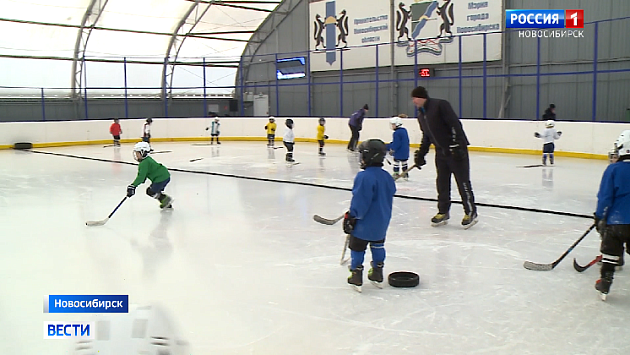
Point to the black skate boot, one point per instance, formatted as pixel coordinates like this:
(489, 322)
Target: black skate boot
(356, 278)
(165, 201)
(469, 220)
(603, 285)
(375, 275)
(440, 219)
(289, 158)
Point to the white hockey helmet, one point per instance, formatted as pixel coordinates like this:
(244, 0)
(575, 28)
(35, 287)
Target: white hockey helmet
(622, 144)
(550, 124)
(143, 148)
(395, 121)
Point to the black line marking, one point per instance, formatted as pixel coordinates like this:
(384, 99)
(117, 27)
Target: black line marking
(507, 207)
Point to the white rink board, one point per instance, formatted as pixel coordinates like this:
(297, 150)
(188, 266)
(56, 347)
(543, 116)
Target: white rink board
(579, 137)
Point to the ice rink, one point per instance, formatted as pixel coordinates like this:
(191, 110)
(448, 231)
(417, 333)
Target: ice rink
(243, 269)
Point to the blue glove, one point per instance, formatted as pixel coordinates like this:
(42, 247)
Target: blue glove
(131, 190)
(348, 223)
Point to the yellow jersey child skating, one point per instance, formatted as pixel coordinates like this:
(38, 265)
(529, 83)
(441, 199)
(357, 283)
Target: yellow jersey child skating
(271, 128)
(320, 132)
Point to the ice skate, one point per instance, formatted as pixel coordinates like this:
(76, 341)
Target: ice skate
(322, 154)
(356, 278)
(470, 220)
(165, 201)
(603, 285)
(440, 219)
(396, 175)
(405, 175)
(375, 275)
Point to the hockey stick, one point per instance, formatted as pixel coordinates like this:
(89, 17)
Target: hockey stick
(197, 159)
(162, 151)
(532, 166)
(343, 254)
(109, 145)
(102, 222)
(579, 268)
(404, 172)
(327, 221)
(280, 147)
(546, 267)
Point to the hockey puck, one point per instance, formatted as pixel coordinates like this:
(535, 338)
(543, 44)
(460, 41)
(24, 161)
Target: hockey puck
(23, 146)
(403, 279)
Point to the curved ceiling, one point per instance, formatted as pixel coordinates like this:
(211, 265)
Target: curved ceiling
(106, 32)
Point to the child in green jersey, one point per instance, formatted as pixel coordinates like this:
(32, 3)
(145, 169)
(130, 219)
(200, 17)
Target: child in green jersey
(152, 170)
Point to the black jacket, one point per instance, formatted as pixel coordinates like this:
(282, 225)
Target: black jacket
(440, 126)
(548, 115)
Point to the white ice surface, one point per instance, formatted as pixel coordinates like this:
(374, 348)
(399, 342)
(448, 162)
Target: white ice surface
(245, 270)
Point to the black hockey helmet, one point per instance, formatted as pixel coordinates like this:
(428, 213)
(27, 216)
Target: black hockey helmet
(149, 120)
(289, 123)
(372, 153)
(322, 121)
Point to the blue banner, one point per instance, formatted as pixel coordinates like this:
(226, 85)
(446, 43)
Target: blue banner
(534, 18)
(86, 304)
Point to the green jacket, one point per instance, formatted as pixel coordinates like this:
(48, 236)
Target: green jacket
(152, 170)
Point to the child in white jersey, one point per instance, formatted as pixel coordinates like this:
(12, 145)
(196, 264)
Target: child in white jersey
(289, 140)
(214, 130)
(549, 135)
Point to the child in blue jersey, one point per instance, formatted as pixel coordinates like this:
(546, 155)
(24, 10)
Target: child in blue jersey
(612, 217)
(400, 148)
(370, 212)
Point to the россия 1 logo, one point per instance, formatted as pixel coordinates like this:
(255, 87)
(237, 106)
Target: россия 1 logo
(544, 19)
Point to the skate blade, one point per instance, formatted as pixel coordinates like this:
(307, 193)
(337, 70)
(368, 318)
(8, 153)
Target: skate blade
(443, 223)
(377, 284)
(471, 224)
(357, 288)
(603, 296)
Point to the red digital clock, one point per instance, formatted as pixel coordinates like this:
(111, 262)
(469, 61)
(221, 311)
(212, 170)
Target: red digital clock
(426, 72)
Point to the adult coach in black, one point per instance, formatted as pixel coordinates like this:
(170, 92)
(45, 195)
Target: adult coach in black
(441, 127)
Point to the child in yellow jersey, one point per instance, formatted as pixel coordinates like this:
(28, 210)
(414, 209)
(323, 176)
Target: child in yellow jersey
(321, 129)
(271, 131)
